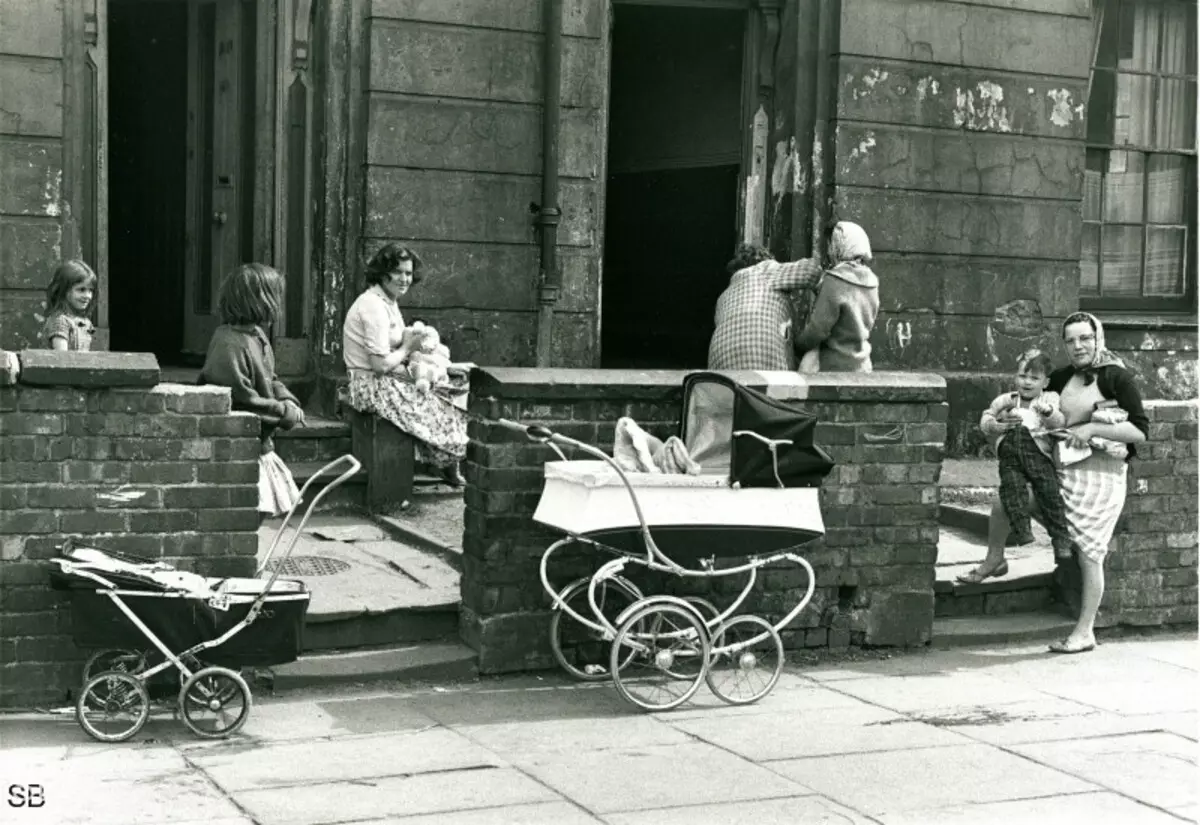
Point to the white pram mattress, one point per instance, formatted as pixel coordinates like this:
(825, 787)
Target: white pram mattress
(588, 497)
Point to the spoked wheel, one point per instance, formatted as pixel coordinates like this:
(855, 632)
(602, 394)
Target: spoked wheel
(215, 702)
(118, 659)
(580, 650)
(746, 660)
(113, 706)
(707, 609)
(660, 655)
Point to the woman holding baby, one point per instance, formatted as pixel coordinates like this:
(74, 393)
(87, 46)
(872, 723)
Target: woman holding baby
(381, 355)
(1091, 388)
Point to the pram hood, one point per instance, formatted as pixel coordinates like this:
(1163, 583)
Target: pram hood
(715, 407)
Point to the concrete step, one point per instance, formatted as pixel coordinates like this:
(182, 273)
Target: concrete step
(351, 495)
(428, 662)
(320, 439)
(368, 589)
(1027, 587)
(966, 631)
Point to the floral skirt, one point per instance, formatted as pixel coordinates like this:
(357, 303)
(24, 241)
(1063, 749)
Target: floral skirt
(439, 427)
(277, 490)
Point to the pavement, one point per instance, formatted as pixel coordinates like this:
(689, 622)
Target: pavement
(1007, 735)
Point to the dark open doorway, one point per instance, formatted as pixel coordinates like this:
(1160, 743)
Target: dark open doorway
(148, 95)
(674, 156)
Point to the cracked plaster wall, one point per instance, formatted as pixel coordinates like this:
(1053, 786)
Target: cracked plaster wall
(32, 202)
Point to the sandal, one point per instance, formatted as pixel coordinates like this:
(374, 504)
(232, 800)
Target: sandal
(1065, 646)
(978, 575)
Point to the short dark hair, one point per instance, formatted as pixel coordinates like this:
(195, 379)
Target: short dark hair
(384, 262)
(1035, 361)
(251, 294)
(747, 255)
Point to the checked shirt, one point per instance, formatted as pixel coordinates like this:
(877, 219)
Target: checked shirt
(754, 316)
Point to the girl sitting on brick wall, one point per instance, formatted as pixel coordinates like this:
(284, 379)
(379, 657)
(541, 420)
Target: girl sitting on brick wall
(69, 298)
(240, 357)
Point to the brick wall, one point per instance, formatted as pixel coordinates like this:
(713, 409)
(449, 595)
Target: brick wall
(1151, 569)
(194, 463)
(874, 567)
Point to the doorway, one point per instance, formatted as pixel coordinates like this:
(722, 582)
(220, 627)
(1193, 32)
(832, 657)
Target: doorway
(181, 144)
(674, 159)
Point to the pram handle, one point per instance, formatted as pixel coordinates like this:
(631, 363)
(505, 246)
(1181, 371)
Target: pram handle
(535, 432)
(355, 466)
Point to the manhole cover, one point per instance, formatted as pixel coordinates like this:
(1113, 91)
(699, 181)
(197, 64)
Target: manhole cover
(310, 566)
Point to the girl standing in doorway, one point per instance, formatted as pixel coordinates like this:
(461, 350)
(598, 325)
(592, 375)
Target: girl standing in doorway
(240, 357)
(69, 299)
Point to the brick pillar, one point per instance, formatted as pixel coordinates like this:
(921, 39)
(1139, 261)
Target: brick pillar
(77, 427)
(1151, 566)
(874, 567)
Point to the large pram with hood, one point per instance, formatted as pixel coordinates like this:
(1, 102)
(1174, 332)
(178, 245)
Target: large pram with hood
(755, 499)
(142, 618)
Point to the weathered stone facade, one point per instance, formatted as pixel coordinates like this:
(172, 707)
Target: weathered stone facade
(953, 131)
(77, 427)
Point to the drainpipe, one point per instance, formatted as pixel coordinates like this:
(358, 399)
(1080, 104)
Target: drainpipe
(823, 168)
(549, 214)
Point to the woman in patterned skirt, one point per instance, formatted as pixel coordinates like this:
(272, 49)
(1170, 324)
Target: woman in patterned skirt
(1093, 489)
(376, 352)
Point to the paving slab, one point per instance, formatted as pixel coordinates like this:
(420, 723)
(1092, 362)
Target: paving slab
(879, 783)
(394, 796)
(343, 759)
(937, 692)
(784, 699)
(1131, 696)
(1024, 722)
(1100, 808)
(537, 813)
(1155, 768)
(529, 739)
(482, 707)
(128, 785)
(792, 810)
(663, 776)
(789, 735)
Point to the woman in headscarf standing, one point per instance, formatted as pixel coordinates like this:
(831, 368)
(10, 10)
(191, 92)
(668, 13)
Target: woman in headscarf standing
(1093, 489)
(837, 335)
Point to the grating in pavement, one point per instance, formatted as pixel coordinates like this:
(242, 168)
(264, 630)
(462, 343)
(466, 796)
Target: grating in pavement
(311, 566)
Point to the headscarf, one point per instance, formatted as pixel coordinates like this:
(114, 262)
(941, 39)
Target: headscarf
(1103, 357)
(848, 242)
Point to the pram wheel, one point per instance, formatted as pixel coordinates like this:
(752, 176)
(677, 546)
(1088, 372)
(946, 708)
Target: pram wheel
(660, 655)
(746, 660)
(579, 649)
(214, 702)
(113, 706)
(115, 658)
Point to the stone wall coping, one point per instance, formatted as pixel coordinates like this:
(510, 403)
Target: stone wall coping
(56, 368)
(550, 383)
(1171, 402)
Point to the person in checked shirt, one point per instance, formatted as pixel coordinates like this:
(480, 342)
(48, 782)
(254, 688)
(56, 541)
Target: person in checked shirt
(754, 313)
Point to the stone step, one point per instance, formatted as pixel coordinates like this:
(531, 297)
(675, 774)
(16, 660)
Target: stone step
(1027, 587)
(428, 662)
(968, 631)
(320, 439)
(368, 589)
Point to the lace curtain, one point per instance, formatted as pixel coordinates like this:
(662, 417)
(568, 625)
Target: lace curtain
(1142, 111)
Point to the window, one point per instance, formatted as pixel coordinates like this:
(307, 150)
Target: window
(1139, 198)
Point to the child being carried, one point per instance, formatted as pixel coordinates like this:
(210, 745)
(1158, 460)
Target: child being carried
(1020, 423)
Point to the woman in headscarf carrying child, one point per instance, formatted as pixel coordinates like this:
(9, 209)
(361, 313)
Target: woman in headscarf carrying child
(836, 337)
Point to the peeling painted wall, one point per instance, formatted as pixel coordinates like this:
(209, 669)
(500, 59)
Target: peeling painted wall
(32, 205)
(942, 114)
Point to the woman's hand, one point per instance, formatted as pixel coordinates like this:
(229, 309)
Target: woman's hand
(1079, 436)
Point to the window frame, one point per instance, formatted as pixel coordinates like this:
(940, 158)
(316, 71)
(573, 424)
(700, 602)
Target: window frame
(1142, 303)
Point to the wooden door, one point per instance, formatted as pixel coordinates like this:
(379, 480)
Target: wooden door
(219, 178)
